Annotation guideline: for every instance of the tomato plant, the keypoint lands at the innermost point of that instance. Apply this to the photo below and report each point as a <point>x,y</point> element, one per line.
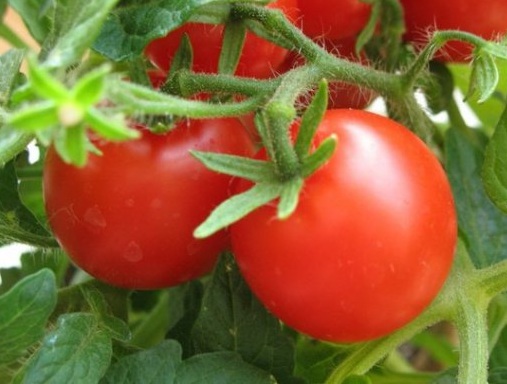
<point>127,217</point>
<point>333,19</point>
<point>259,57</point>
<point>370,244</point>
<point>342,229</point>
<point>487,21</point>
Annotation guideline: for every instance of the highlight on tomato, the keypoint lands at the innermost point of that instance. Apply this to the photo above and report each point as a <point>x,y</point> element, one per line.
<point>371,241</point>
<point>127,217</point>
<point>485,19</point>
<point>259,58</point>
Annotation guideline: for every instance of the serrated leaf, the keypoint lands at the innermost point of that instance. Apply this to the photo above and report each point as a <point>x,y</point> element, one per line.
<point>484,77</point>
<point>17,223</point>
<point>156,365</point>
<point>25,311</point>
<point>221,368</point>
<point>76,25</point>
<point>494,171</point>
<point>483,227</point>
<point>77,351</point>
<point>128,30</point>
<point>237,207</point>
<point>250,169</point>
<point>232,319</point>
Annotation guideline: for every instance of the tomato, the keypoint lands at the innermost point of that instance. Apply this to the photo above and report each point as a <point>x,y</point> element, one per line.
<point>333,19</point>
<point>127,217</point>
<point>486,19</point>
<point>259,57</point>
<point>341,95</point>
<point>370,243</point>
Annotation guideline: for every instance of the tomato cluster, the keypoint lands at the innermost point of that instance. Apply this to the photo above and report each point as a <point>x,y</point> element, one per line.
<point>370,243</point>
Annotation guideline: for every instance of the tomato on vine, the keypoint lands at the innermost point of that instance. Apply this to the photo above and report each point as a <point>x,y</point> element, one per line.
<point>371,241</point>
<point>127,217</point>
<point>259,58</point>
<point>485,19</point>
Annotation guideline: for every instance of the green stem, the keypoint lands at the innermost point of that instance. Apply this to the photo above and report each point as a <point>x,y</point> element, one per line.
<point>471,323</point>
<point>154,326</point>
<point>367,355</point>
<point>11,37</point>
<point>191,83</point>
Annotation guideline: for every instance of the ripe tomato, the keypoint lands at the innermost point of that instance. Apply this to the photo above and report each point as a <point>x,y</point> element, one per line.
<point>486,19</point>
<point>370,243</point>
<point>259,58</point>
<point>127,217</point>
<point>333,19</point>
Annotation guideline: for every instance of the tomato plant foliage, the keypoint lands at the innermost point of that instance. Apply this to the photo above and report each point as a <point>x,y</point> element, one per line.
<point>199,210</point>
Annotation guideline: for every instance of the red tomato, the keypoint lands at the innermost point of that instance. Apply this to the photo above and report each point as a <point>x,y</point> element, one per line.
<point>333,19</point>
<point>258,59</point>
<point>127,217</point>
<point>370,243</point>
<point>486,19</point>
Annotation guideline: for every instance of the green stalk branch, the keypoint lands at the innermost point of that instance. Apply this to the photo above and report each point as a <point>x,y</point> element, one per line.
<point>11,37</point>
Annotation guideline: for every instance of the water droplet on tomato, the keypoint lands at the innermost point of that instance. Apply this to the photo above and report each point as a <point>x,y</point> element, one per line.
<point>133,252</point>
<point>94,217</point>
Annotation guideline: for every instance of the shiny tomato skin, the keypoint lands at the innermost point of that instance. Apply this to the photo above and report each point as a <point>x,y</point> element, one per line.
<point>333,19</point>
<point>259,58</point>
<point>127,217</point>
<point>486,19</point>
<point>370,243</point>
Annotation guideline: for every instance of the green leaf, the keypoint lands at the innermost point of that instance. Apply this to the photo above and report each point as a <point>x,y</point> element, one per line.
<point>128,30</point>
<point>320,156</point>
<point>10,63</point>
<point>494,171</point>
<point>76,25</point>
<point>483,227</point>
<point>71,145</point>
<point>221,368</point>
<point>311,120</point>
<point>232,319</point>
<point>289,197</point>
<point>34,118</point>
<point>497,375</point>
<point>484,77</point>
<point>17,223</point>
<point>37,16</point>
<point>237,207</point>
<point>12,142</point>
<point>43,83</point>
<point>232,46</point>
<point>111,128</point>
<point>156,365</point>
<point>250,169</point>
<point>25,312</point>
<point>90,87</point>
<point>77,351</point>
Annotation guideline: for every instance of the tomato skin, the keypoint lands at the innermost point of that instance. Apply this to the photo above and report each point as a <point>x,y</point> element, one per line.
<point>370,243</point>
<point>333,19</point>
<point>259,58</point>
<point>127,217</point>
<point>486,19</point>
